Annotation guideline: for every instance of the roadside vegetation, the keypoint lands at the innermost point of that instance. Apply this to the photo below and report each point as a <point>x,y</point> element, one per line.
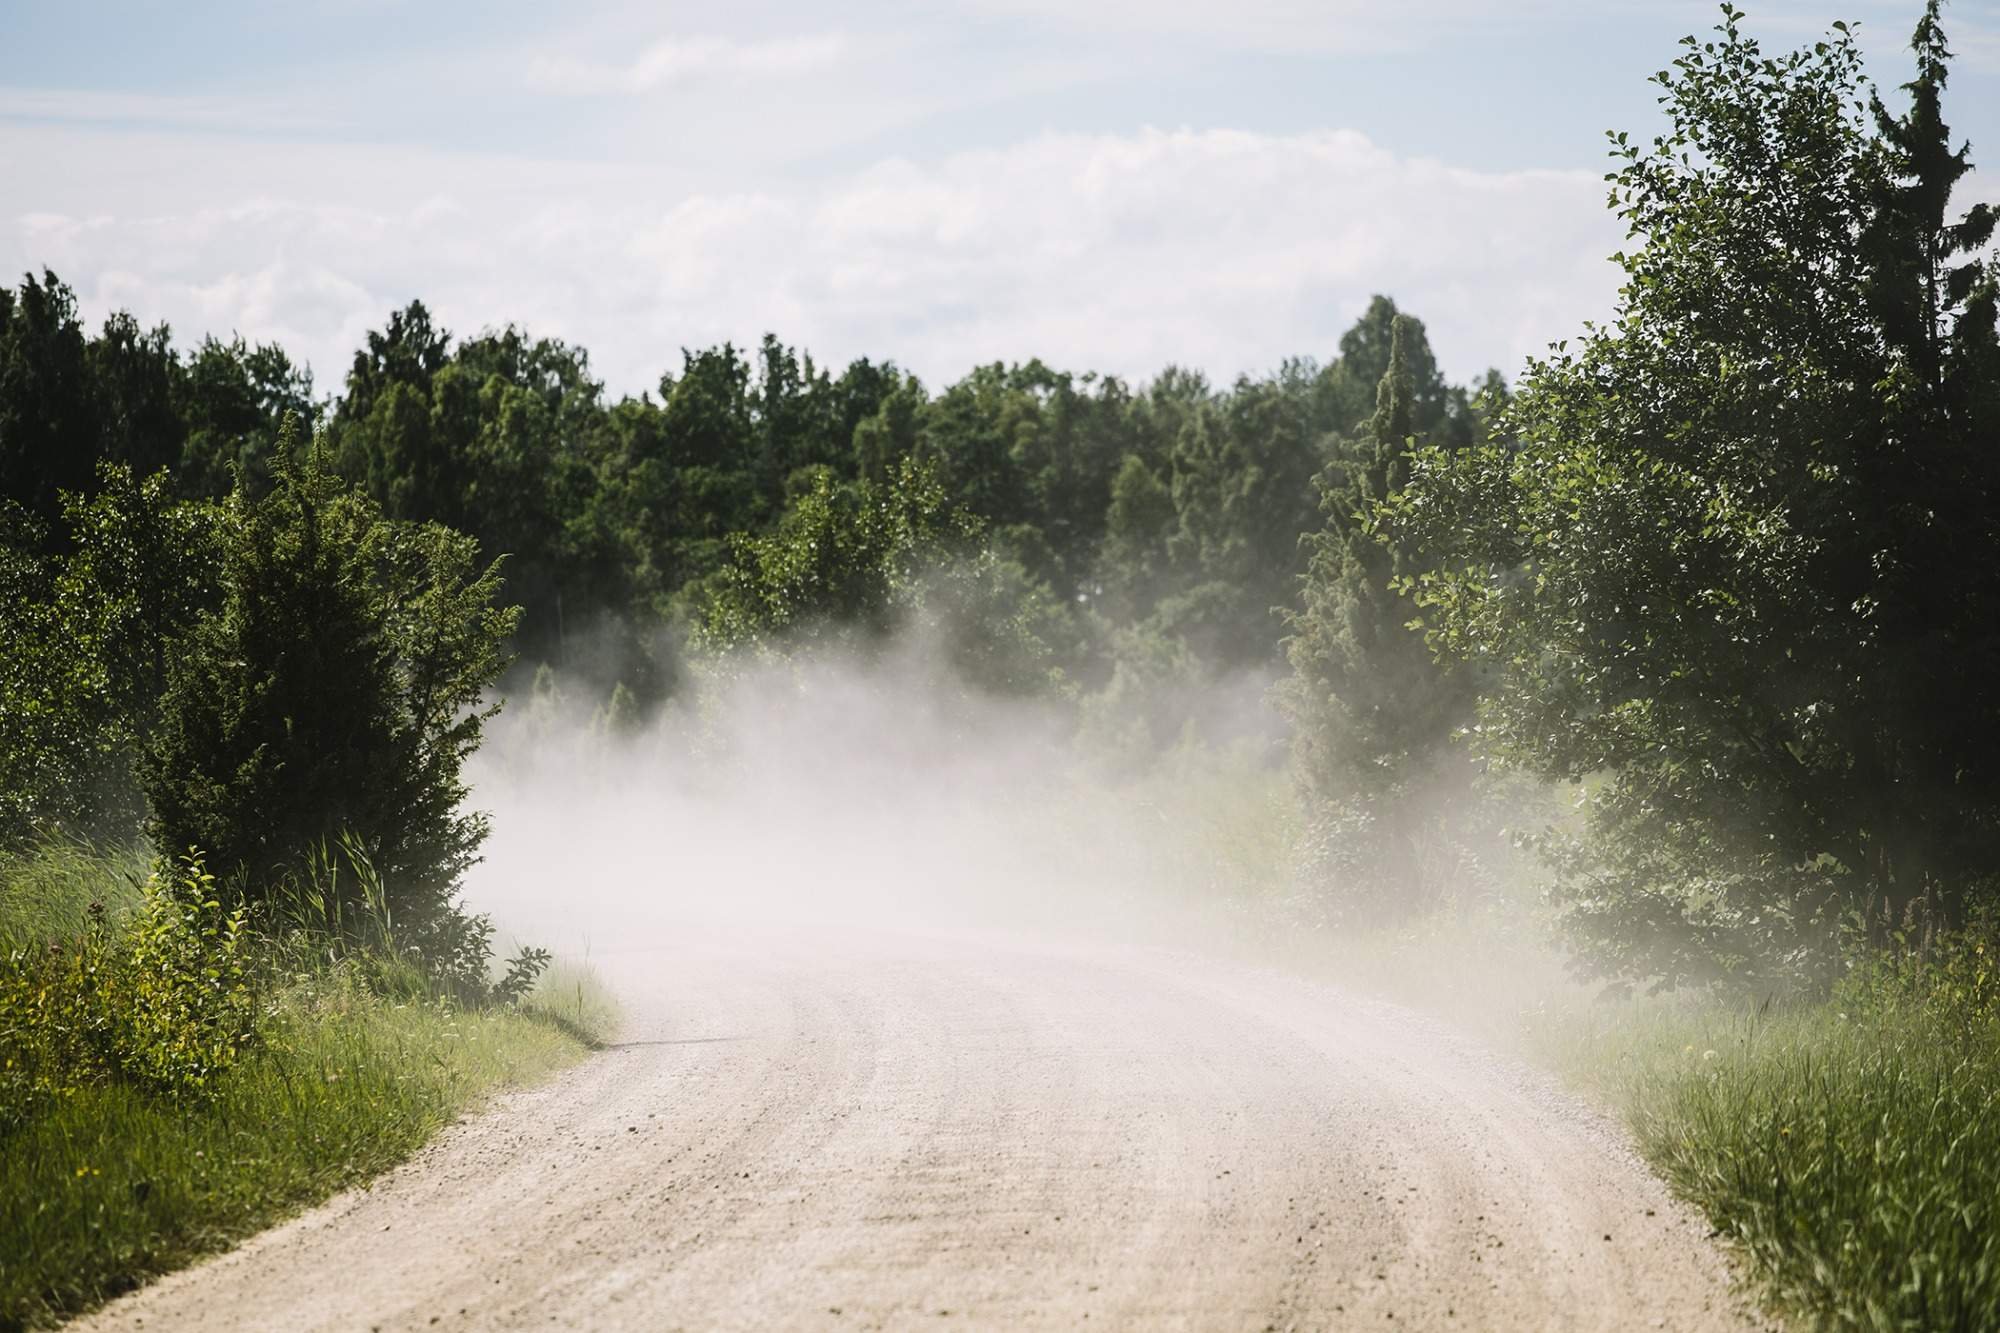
<point>284,689</point>
<point>172,1080</point>
<point>1732,587</point>
<point>1850,1147</point>
<point>1847,1146</point>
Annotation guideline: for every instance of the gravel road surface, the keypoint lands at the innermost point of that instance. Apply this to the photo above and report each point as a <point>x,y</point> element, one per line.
<point>857,1130</point>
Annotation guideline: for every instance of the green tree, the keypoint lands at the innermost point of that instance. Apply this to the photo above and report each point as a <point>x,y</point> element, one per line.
<point>837,562</point>
<point>887,436</point>
<point>1132,566</point>
<point>1737,571</point>
<point>1347,386</point>
<point>135,375</point>
<point>233,399</point>
<point>1372,713</point>
<point>86,631</point>
<point>49,430</point>
<point>1240,475</point>
<point>335,692</point>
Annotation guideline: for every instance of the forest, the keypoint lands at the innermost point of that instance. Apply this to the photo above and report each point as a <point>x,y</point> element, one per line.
<point>1689,633</point>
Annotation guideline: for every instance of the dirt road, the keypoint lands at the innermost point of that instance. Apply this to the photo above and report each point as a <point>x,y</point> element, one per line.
<point>878,1130</point>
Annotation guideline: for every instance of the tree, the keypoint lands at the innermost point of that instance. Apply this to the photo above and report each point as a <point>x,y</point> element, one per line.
<point>887,436</point>
<point>974,435</point>
<point>334,693</point>
<point>48,415</point>
<point>233,399</point>
<point>1738,570</point>
<point>134,375</point>
<point>1132,568</point>
<point>1349,382</point>
<point>86,630</point>
<point>1372,713</point>
<point>1240,470</point>
<point>836,563</point>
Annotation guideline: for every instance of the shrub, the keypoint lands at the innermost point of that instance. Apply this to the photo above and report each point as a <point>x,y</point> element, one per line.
<point>1954,984</point>
<point>335,915</point>
<point>163,1002</point>
<point>337,689</point>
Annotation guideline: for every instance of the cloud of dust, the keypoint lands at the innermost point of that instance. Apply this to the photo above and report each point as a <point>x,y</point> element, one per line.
<point>871,789</point>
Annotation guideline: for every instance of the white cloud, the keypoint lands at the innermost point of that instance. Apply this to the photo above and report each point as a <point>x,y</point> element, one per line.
<point>1289,25</point>
<point>670,63</point>
<point>1222,250</point>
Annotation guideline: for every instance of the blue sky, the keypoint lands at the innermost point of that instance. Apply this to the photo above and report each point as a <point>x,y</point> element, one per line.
<point>1115,184</point>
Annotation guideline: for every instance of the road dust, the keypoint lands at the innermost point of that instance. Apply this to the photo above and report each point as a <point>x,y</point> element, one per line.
<point>876,789</point>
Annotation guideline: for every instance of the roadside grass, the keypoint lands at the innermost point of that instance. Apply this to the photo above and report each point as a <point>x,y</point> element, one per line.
<point>1853,1153</point>
<point>569,998</point>
<point>46,893</point>
<point>109,1184</point>
<point>1847,1148</point>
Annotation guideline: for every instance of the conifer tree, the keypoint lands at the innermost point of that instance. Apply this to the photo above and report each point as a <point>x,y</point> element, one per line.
<point>333,696</point>
<point>1372,712</point>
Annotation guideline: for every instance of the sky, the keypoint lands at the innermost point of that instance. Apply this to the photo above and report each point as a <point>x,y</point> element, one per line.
<point>1111,185</point>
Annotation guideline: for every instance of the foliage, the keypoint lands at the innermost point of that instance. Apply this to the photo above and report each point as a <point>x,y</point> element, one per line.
<point>996,626</point>
<point>335,911</point>
<point>87,630</point>
<point>338,688</point>
<point>1955,985</point>
<point>1176,506</point>
<point>1372,713</point>
<point>170,1080</point>
<point>837,561</point>
<point>233,400</point>
<point>48,888</point>
<point>48,413</point>
<point>1736,571</point>
<point>111,1186</point>
<point>161,1002</point>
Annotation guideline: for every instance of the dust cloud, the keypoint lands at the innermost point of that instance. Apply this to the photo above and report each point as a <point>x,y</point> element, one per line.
<point>873,789</point>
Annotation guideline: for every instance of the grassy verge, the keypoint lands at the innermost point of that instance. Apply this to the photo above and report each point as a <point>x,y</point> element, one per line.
<point>110,1183</point>
<point>1849,1148</point>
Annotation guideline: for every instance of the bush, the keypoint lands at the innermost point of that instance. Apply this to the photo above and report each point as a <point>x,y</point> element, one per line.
<point>336,914</point>
<point>163,1003</point>
<point>338,689</point>
<point>112,1185</point>
<point>1954,984</point>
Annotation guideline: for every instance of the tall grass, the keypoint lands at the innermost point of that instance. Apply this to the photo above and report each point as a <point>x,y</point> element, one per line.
<point>114,1186</point>
<point>46,892</point>
<point>1853,1154</point>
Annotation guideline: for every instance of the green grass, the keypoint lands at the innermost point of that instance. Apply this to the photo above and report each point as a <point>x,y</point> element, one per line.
<point>108,1184</point>
<point>45,893</point>
<point>1852,1154</point>
<point>1848,1149</point>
